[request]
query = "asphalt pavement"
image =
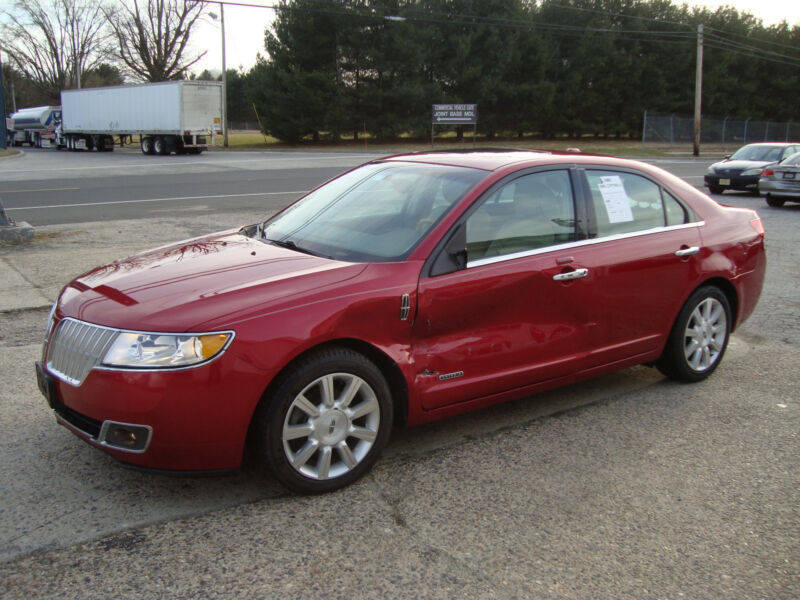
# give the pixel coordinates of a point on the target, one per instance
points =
(626, 486)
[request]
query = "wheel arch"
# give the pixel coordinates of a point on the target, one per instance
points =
(727, 288)
(388, 367)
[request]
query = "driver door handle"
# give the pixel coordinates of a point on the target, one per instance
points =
(687, 251)
(576, 274)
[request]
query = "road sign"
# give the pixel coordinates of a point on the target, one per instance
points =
(455, 114)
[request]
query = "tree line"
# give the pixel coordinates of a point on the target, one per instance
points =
(554, 67)
(336, 69)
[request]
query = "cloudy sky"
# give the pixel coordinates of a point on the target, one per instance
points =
(244, 28)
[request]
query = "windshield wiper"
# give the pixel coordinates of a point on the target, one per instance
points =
(289, 244)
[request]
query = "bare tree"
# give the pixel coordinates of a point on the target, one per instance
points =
(55, 42)
(152, 35)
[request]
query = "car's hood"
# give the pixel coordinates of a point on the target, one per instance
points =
(739, 165)
(175, 288)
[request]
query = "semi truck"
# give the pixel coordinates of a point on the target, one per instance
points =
(173, 116)
(34, 126)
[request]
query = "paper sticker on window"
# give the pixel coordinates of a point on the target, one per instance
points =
(618, 205)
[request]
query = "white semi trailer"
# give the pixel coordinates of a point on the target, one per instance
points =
(173, 116)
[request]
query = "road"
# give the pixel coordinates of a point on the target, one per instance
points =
(46, 187)
(626, 486)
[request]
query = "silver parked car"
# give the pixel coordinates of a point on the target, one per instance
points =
(781, 182)
(742, 170)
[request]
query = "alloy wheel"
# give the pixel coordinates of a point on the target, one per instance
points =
(331, 426)
(705, 335)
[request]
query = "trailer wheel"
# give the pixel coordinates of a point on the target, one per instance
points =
(162, 146)
(147, 145)
(108, 143)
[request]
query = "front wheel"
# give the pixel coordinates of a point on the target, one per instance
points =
(699, 337)
(326, 422)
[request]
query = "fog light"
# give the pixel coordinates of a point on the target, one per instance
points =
(120, 436)
(125, 436)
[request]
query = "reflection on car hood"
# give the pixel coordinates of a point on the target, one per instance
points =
(739, 165)
(175, 288)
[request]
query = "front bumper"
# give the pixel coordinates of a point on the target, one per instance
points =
(188, 420)
(732, 182)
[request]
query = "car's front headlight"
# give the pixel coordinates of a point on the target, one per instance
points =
(750, 172)
(711, 170)
(161, 350)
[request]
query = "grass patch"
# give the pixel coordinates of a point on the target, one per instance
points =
(8, 152)
(55, 235)
(449, 141)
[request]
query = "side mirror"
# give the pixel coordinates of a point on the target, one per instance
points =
(727, 156)
(453, 257)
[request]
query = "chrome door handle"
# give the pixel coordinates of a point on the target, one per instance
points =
(576, 274)
(687, 251)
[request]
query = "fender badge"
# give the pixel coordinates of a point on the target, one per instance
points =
(455, 375)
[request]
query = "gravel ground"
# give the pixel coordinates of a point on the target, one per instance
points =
(627, 486)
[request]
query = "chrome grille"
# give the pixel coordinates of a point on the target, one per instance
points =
(76, 348)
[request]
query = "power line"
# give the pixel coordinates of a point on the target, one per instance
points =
(750, 48)
(555, 29)
(747, 37)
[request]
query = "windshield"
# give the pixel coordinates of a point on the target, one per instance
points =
(376, 213)
(761, 153)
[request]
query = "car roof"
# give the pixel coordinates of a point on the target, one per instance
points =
(774, 144)
(497, 159)
(490, 160)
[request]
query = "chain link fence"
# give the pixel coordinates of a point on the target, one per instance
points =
(675, 129)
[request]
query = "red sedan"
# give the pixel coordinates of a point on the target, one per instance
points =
(409, 289)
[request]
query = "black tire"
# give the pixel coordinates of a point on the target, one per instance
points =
(161, 146)
(699, 336)
(773, 201)
(147, 145)
(316, 453)
(715, 189)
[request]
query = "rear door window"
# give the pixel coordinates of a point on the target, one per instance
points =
(626, 202)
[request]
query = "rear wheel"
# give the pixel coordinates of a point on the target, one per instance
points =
(326, 422)
(776, 202)
(699, 336)
(147, 145)
(162, 146)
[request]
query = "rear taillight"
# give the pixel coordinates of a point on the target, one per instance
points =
(767, 172)
(758, 226)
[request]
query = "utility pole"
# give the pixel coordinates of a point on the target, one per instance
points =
(2, 111)
(698, 92)
(224, 74)
(224, 79)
